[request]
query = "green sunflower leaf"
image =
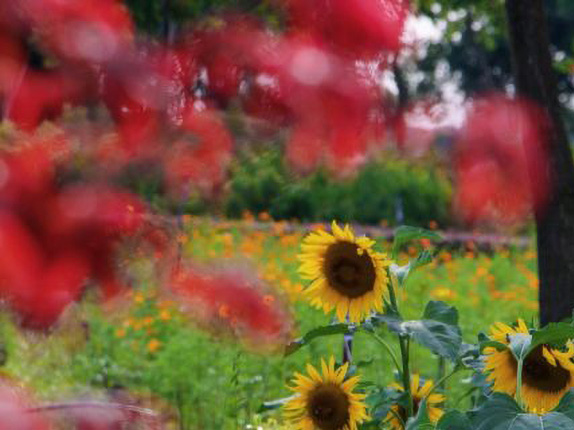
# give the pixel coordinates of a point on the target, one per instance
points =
(390, 318)
(442, 339)
(437, 331)
(422, 259)
(469, 356)
(402, 272)
(552, 334)
(406, 233)
(493, 344)
(441, 311)
(274, 404)
(482, 337)
(421, 421)
(454, 420)
(381, 401)
(566, 405)
(500, 412)
(328, 330)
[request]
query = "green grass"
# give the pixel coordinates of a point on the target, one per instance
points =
(217, 384)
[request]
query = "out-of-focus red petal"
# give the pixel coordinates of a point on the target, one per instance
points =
(21, 259)
(240, 303)
(41, 96)
(87, 31)
(201, 156)
(60, 285)
(500, 161)
(305, 148)
(15, 414)
(354, 27)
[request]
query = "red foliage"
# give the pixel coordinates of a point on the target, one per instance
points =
(307, 77)
(235, 302)
(81, 31)
(136, 120)
(97, 418)
(359, 28)
(328, 100)
(54, 238)
(15, 414)
(40, 96)
(501, 161)
(202, 157)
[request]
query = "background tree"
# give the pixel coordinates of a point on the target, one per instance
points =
(534, 78)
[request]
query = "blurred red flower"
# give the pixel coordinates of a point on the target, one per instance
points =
(500, 161)
(233, 301)
(54, 238)
(199, 157)
(358, 28)
(87, 31)
(40, 95)
(331, 103)
(14, 412)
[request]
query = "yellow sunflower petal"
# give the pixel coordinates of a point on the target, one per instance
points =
(296, 410)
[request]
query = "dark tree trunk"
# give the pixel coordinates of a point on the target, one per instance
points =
(535, 79)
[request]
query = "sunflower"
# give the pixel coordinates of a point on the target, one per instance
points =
(346, 273)
(325, 402)
(419, 392)
(547, 373)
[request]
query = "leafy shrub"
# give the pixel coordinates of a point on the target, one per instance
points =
(391, 189)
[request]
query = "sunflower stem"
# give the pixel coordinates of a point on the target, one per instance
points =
(441, 373)
(404, 341)
(348, 348)
(518, 395)
(387, 348)
(442, 380)
(392, 294)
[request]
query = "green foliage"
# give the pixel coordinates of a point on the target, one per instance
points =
(316, 333)
(150, 15)
(421, 421)
(437, 330)
(501, 412)
(379, 191)
(454, 420)
(211, 384)
(552, 334)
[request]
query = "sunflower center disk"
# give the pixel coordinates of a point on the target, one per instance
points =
(349, 273)
(538, 373)
(328, 407)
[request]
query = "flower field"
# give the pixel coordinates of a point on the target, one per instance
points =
(198, 379)
(286, 215)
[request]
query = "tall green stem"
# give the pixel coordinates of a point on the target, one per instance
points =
(404, 341)
(440, 373)
(387, 348)
(392, 295)
(348, 348)
(518, 395)
(442, 380)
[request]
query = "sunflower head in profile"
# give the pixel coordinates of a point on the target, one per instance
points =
(547, 373)
(327, 401)
(419, 391)
(346, 273)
